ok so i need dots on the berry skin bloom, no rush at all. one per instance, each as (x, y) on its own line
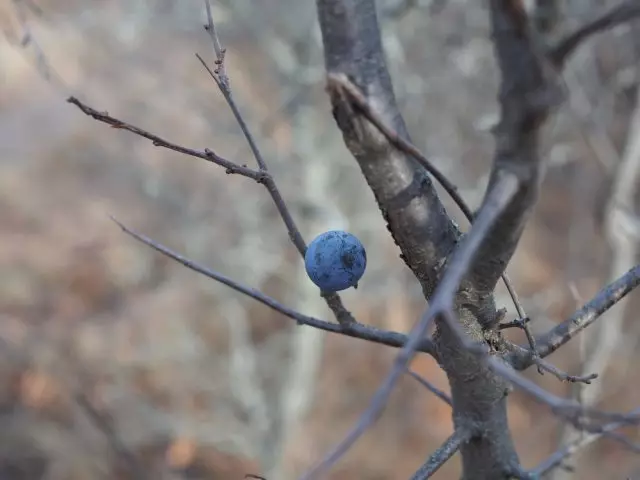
(335, 261)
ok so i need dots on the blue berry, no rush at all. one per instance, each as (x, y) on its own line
(335, 261)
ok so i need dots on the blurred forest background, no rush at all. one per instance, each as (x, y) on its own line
(115, 358)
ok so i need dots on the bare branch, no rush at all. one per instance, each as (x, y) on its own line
(624, 12)
(432, 388)
(544, 15)
(103, 422)
(503, 190)
(353, 50)
(206, 154)
(563, 376)
(441, 455)
(589, 313)
(528, 92)
(582, 418)
(356, 330)
(556, 459)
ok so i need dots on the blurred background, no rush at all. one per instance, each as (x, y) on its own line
(116, 360)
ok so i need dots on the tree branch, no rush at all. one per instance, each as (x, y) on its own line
(353, 51)
(356, 330)
(404, 192)
(624, 12)
(529, 92)
(261, 176)
(341, 83)
(589, 313)
(103, 422)
(442, 304)
(441, 455)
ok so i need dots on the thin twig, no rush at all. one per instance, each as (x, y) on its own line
(27, 39)
(563, 376)
(441, 455)
(206, 154)
(217, 47)
(358, 330)
(622, 13)
(431, 387)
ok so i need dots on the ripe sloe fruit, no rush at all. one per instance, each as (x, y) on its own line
(335, 261)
